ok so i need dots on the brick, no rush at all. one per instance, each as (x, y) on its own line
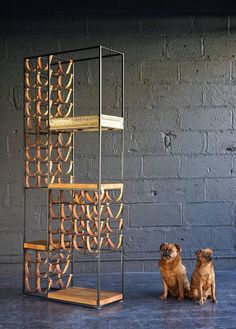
(208, 214)
(232, 24)
(87, 144)
(113, 24)
(178, 190)
(3, 147)
(83, 167)
(143, 47)
(223, 238)
(138, 95)
(172, 25)
(160, 166)
(177, 95)
(221, 189)
(161, 71)
(30, 46)
(111, 168)
(190, 239)
(145, 239)
(2, 50)
(219, 95)
(203, 118)
(155, 215)
(163, 118)
(138, 191)
(146, 141)
(210, 24)
(206, 166)
(35, 198)
(220, 46)
(187, 142)
(220, 142)
(11, 243)
(11, 220)
(132, 167)
(187, 47)
(204, 70)
(164, 190)
(133, 72)
(36, 221)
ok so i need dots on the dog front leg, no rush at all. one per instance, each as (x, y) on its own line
(181, 287)
(200, 295)
(213, 292)
(165, 291)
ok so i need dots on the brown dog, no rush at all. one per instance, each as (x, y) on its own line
(203, 278)
(174, 276)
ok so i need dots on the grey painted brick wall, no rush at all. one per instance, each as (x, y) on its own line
(180, 137)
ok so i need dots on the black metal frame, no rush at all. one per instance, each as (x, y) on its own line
(100, 57)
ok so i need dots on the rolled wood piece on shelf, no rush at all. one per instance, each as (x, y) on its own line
(39, 80)
(60, 111)
(27, 272)
(113, 246)
(65, 158)
(28, 65)
(93, 231)
(79, 214)
(66, 99)
(64, 70)
(94, 241)
(27, 81)
(39, 107)
(117, 199)
(65, 245)
(40, 65)
(61, 137)
(80, 245)
(94, 198)
(60, 83)
(79, 230)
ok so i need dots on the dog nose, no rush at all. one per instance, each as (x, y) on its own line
(166, 253)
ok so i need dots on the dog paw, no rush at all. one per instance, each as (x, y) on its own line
(214, 300)
(201, 302)
(181, 298)
(163, 297)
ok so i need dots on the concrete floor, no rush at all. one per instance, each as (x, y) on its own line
(140, 309)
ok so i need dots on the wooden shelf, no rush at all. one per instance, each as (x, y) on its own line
(86, 123)
(36, 245)
(86, 186)
(85, 296)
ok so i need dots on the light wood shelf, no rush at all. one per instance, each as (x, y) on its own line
(36, 245)
(86, 296)
(86, 186)
(86, 123)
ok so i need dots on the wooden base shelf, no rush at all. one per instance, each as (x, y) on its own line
(84, 186)
(86, 123)
(85, 296)
(41, 245)
(36, 245)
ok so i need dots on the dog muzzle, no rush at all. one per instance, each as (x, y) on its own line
(208, 258)
(166, 253)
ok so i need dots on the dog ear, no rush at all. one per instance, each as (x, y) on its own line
(162, 245)
(178, 247)
(197, 253)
